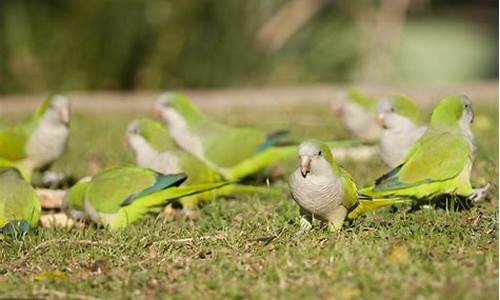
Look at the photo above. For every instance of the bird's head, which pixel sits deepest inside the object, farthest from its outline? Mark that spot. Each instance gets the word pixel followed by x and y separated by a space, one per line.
pixel 146 131
pixel 392 112
pixel 315 158
pixel 55 111
pixel 132 133
pixel 176 107
pixel 453 111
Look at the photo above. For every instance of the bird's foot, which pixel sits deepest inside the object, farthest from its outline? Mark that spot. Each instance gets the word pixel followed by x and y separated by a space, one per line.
pixel 305 226
pixel 191 213
pixel 333 228
pixel 479 194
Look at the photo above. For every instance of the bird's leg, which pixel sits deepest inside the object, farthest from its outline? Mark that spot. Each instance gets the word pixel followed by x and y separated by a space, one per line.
pixel 305 223
pixel 336 218
pixel 479 193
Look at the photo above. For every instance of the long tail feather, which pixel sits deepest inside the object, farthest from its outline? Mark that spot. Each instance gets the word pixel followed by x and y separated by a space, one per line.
pixel 371 204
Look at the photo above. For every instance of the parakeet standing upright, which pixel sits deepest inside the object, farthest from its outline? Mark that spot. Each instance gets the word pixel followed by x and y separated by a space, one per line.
pixel 155 149
pixel 121 195
pixel 440 162
pixel 357 114
pixel 324 190
pixel 400 120
pixel 43 139
pixel 234 152
pixel 19 204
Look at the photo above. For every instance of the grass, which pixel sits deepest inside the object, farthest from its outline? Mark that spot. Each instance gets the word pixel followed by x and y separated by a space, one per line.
pixel 391 254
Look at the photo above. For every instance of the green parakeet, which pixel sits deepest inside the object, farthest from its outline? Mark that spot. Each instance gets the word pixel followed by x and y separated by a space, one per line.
pixel 41 140
pixel 121 195
pixel 356 112
pixel 19 204
pixel 234 152
pixel 324 190
pixel 400 120
pixel 440 162
pixel 155 149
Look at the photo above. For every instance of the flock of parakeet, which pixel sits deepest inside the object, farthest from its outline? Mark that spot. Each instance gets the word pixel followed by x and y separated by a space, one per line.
pixel 191 159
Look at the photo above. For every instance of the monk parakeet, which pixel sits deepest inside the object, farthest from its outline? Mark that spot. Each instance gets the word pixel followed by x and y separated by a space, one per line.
pixel 41 140
pixel 440 162
pixel 356 112
pixel 121 195
pixel 234 152
pixel 155 149
pixel 324 190
pixel 400 120
pixel 19 204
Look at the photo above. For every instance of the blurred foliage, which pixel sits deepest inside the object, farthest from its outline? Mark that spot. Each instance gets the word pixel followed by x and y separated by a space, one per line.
pixel 157 44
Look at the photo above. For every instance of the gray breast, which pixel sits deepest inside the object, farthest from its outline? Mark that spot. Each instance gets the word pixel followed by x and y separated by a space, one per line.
pixel 317 195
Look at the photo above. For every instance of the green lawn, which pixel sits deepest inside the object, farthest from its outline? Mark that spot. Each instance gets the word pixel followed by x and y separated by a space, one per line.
pixel 392 254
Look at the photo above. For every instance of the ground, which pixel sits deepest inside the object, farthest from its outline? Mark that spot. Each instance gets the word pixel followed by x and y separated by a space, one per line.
pixel 429 253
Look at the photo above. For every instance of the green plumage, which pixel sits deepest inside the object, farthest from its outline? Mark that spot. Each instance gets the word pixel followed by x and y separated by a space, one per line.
pixel 13 140
pixel 198 172
pixel 405 106
pixel 439 162
pixel 122 195
pixel 225 147
pixel 19 204
pixel 365 101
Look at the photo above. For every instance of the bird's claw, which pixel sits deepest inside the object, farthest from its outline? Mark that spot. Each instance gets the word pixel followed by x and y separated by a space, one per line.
pixel 479 194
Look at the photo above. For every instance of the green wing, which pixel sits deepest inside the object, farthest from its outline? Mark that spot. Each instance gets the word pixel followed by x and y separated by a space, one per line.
pixel 226 146
pixel 13 142
pixel 142 206
pixel 259 161
pixel 162 182
pixel 108 190
pixel 18 200
pixel 197 171
pixel 437 156
pixel 350 199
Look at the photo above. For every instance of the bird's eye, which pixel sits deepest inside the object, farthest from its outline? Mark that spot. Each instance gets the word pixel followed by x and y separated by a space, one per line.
pixel 467 105
pixel 392 109
pixel 320 153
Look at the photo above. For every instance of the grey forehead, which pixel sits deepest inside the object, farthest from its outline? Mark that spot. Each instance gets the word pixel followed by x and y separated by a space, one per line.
pixel 59 101
pixel 466 99
pixel 309 148
pixel 164 99
pixel 133 125
pixel 385 104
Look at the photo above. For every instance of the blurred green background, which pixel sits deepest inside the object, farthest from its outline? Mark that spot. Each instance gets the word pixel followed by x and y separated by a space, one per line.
pixel 61 45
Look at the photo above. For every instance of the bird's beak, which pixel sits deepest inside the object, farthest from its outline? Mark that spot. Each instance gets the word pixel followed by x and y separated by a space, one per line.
pixel 125 138
pixel 305 165
pixel 64 115
pixel 157 111
pixel 379 118
pixel 337 108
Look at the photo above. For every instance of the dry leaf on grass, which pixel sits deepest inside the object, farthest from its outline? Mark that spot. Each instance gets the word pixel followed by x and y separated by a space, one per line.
pixel 399 255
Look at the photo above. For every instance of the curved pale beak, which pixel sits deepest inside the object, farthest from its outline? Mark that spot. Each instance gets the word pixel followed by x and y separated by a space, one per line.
pixel 305 165
pixel 379 118
pixel 157 111
pixel 64 115
pixel 338 108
